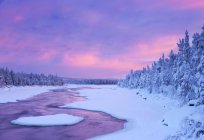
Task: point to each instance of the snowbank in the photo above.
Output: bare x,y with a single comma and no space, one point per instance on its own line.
149,116
14,94
49,120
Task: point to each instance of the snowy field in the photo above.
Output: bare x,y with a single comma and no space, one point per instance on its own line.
149,116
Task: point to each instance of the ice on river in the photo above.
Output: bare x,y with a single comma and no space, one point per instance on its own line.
48,120
149,116
13,94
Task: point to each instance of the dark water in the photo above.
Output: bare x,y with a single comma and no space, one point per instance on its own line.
94,124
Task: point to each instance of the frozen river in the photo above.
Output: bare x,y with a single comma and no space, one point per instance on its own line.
94,123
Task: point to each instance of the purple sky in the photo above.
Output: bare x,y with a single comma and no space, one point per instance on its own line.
89,38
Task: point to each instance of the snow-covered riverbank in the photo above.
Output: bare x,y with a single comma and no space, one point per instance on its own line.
13,94
149,116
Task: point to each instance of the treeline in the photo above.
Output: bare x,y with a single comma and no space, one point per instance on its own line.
91,81
10,78
180,74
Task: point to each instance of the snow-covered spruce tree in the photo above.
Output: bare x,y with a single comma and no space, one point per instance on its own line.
180,75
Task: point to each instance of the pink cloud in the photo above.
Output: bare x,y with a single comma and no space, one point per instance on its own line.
91,60
18,18
47,55
78,56
79,60
91,17
178,4
144,53
7,57
4,58
154,48
190,4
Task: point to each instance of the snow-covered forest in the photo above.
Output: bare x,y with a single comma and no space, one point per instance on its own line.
180,75
91,81
9,78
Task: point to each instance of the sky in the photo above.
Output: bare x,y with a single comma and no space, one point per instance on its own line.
92,38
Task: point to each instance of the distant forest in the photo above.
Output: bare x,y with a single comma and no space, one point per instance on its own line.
91,81
179,75
10,78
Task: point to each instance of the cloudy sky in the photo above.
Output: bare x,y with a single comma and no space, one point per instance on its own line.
92,38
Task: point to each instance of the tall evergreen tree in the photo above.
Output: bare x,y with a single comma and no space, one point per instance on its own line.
183,72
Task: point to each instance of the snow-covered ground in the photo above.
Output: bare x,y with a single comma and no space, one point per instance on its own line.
149,116
13,94
49,120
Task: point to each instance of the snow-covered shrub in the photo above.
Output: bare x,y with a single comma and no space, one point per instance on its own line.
190,130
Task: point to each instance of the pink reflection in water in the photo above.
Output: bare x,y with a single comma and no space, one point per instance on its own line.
94,124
